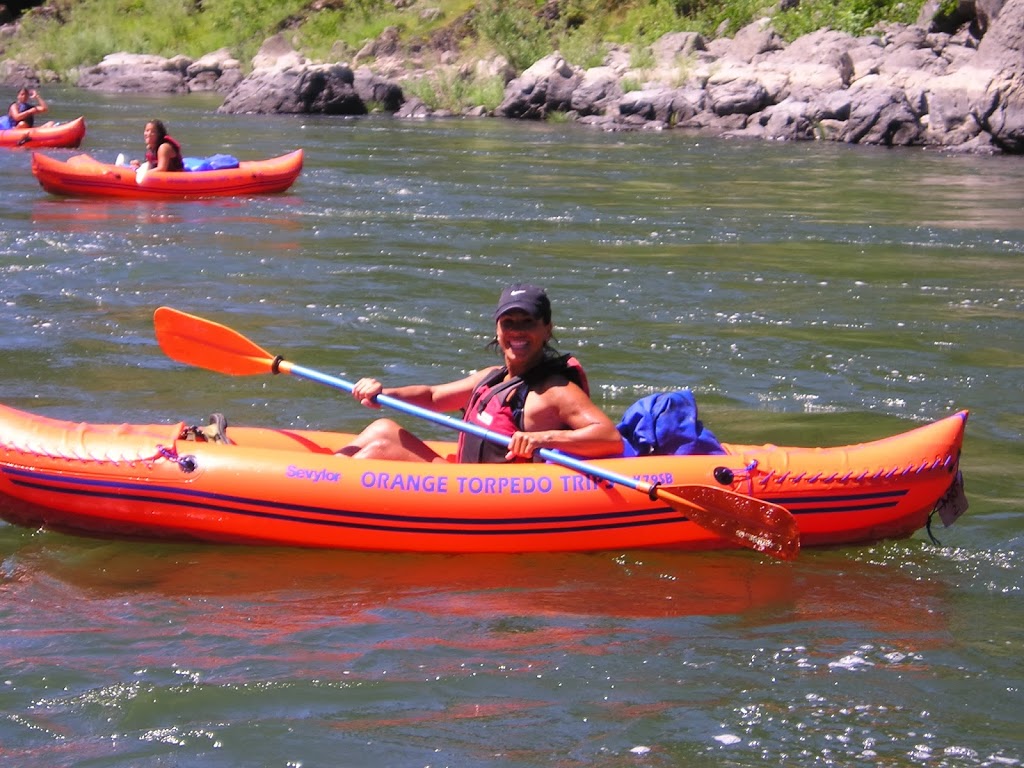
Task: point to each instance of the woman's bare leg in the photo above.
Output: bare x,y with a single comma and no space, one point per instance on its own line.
386,439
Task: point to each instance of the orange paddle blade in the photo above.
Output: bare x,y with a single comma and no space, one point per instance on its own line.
744,520
206,344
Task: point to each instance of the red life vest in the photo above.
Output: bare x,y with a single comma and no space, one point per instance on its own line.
498,405
177,162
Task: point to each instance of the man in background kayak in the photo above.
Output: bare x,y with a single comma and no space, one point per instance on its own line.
22,113
538,397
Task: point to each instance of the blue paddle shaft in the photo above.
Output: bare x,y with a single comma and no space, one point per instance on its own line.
548,454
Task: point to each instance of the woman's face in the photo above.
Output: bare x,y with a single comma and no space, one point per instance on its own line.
521,337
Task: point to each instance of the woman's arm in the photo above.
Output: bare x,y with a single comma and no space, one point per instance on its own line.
437,397
164,155
564,418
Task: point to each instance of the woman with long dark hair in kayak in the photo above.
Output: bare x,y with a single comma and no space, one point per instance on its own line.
163,152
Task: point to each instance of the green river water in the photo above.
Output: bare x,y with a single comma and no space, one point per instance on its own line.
809,294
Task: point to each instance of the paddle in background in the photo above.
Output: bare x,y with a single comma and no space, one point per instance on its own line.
743,520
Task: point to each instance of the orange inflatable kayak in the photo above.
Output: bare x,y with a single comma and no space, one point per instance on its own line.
287,487
84,176
68,134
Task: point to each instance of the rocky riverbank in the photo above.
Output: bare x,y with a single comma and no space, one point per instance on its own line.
905,85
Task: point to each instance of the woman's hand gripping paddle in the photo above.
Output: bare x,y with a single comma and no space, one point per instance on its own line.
743,520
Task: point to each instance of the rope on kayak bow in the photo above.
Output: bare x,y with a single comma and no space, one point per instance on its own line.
68,453
851,476
116,444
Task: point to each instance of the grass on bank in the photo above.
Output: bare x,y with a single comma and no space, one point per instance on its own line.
83,32
74,33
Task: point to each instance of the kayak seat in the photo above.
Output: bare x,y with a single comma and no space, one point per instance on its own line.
215,432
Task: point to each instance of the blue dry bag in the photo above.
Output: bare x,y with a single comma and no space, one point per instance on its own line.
211,163
666,424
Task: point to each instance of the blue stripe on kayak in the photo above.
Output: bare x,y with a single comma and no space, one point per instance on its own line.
187,497
107,489
893,493
100,186
846,502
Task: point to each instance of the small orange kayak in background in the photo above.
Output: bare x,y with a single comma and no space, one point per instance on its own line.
84,176
288,487
68,134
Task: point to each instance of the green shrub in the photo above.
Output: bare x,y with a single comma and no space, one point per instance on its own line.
584,45
726,19
514,30
446,90
641,56
94,28
854,17
353,27
648,20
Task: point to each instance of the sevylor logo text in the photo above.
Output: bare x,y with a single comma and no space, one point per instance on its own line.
313,475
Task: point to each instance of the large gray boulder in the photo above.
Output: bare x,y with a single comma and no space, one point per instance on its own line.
16,74
598,88
881,114
323,88
545,87
218,71
283,81
1001,52
136,73
140,73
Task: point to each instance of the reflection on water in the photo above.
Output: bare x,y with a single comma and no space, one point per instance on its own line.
654,585
87,215
656,648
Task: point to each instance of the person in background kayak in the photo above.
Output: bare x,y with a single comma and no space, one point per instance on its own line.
163,152
538,397
22,112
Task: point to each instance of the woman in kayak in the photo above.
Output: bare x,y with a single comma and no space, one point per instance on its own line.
538,397
163,153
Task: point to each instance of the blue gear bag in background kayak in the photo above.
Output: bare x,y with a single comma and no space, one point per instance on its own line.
211,163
